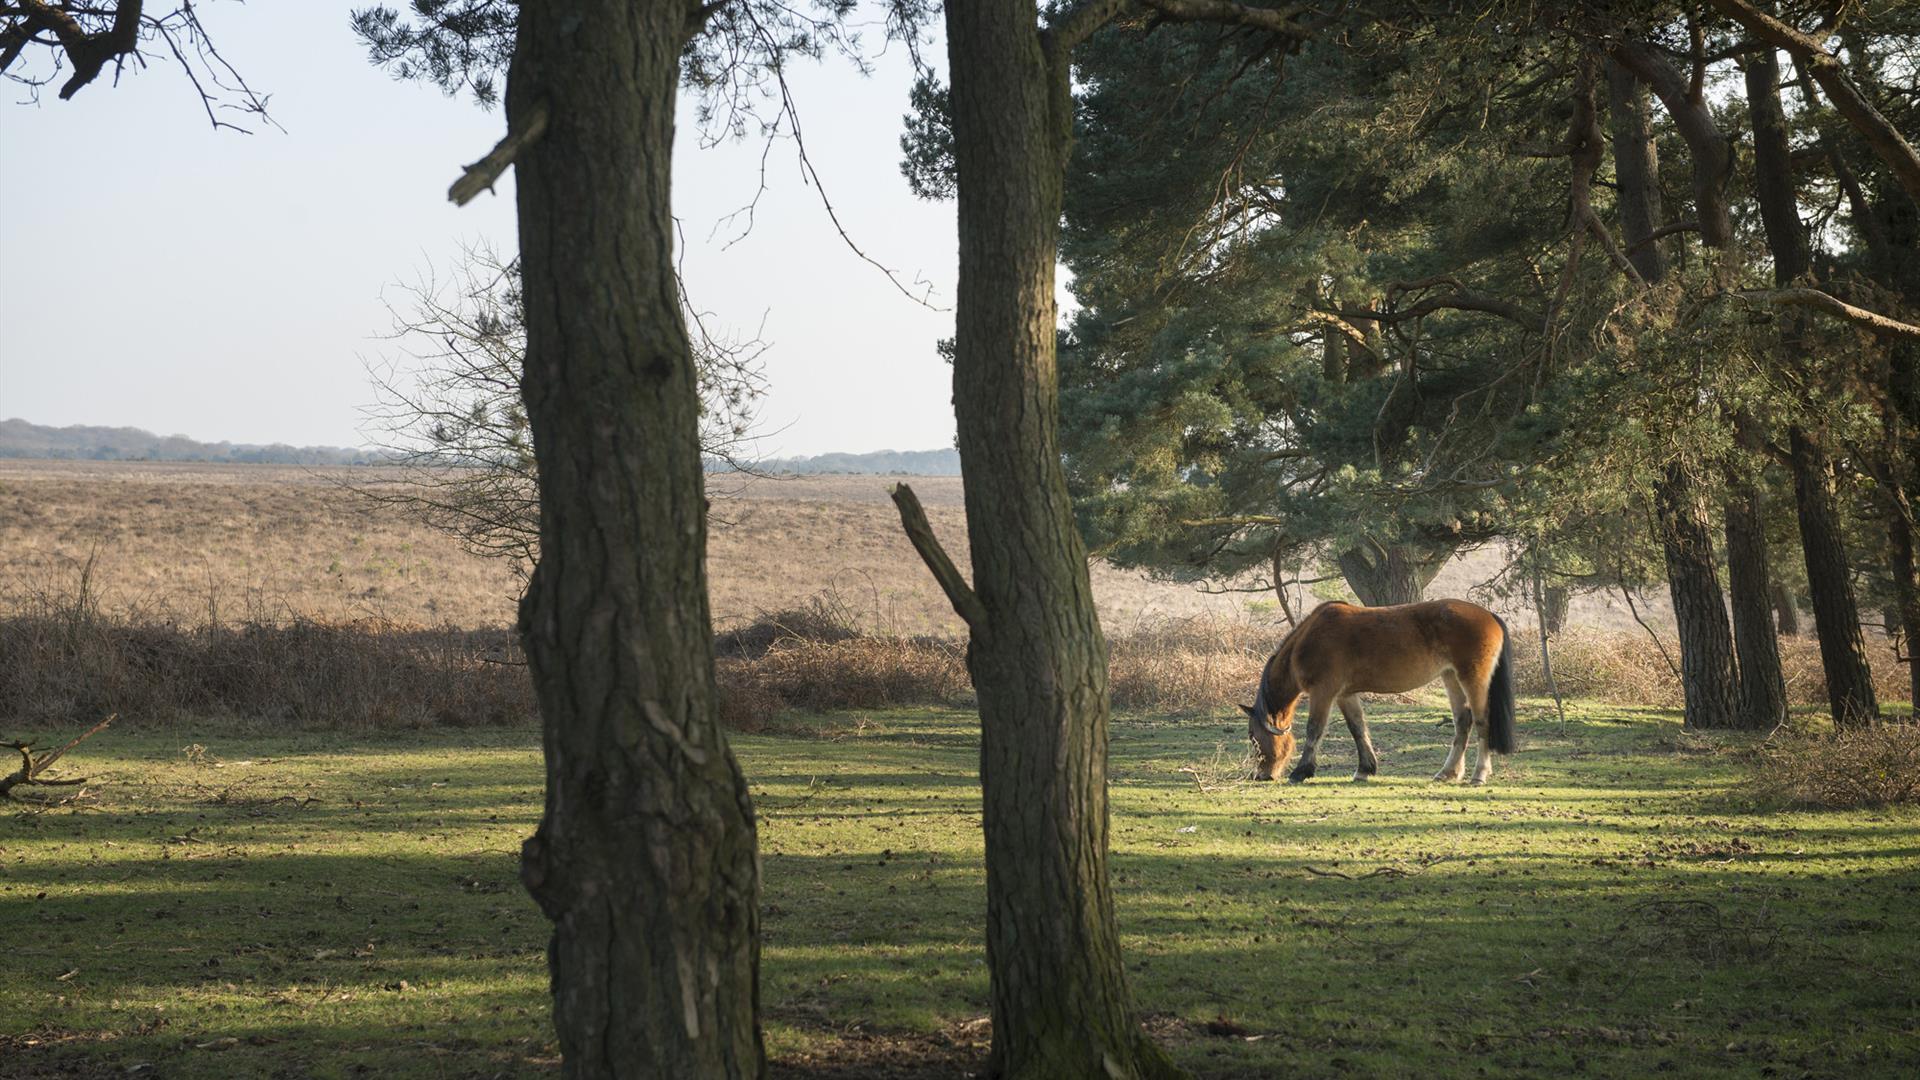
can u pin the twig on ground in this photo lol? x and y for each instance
(31, 767)
(1378, 871)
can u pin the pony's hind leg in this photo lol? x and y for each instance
(1369, 763)
(1462, 727)
(1319, 708)
(1475, 684)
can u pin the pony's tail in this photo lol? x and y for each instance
(1500, 696)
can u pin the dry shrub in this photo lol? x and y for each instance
(823, 618)
(1188, 664)
(64, 660)
(856, 673)
(1846, 770)
(1602, 665)
(744, 705)
(1627, 668)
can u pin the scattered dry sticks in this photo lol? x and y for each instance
(31, 767)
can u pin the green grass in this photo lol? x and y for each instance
(329, 905)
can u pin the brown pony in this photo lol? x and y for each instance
(1340, 651)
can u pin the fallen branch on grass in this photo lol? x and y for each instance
(31, 767)
(1378, 871)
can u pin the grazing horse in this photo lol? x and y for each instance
(1340, 651)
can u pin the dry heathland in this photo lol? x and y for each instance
(278, 595)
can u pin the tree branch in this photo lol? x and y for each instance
(1462, 301)
(1711, 151)
(1236, 522)
(1834, 306)
(88, 53)
(1664, 231)
(1826, 70)
(481, 175)
(1280, 21)
(1077, 23)
(966, 603)
(31, 768)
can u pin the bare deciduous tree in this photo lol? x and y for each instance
(43, 40)
(449, 411)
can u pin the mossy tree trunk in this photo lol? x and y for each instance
(644, 859)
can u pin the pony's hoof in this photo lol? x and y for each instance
(1478, 781)
(1361, 778)
(1445, 778)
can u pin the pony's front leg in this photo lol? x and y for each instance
(1462, 727)
(1369, 762)
(1319, 707)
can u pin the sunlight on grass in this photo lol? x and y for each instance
(338, 906)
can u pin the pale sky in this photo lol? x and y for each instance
(158, 274)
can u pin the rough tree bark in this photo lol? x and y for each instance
(1761, 695)
(1385, 574)
(1636, 165)
(1061, 1006)
(1706, 640)
(1906, 592)
(1555, 599)
(1786, 615)
(644, 859)
(1706, 643)
(1822, 67)
(1902, 491)
(1836, 618)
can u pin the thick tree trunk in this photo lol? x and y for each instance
(1906, 588)
(1692, 116)
(1382, 575)
(645, 858)
(1706, 644)
(1836, 618)
(1784, 611)
(1061, 1006)
(1901, 424)
(1555, 601)
(1706, 641)
(1636, 166)
(1761, 697)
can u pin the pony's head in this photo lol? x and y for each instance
(1273, 739)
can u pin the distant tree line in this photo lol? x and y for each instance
(20, 439)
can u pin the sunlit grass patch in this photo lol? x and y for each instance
(335, 905)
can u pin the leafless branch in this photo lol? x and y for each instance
(481, 175)
(84, 38)
(1829, 304)
(966, 603)
(31, 767)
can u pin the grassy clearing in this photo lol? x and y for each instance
(342, 905)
